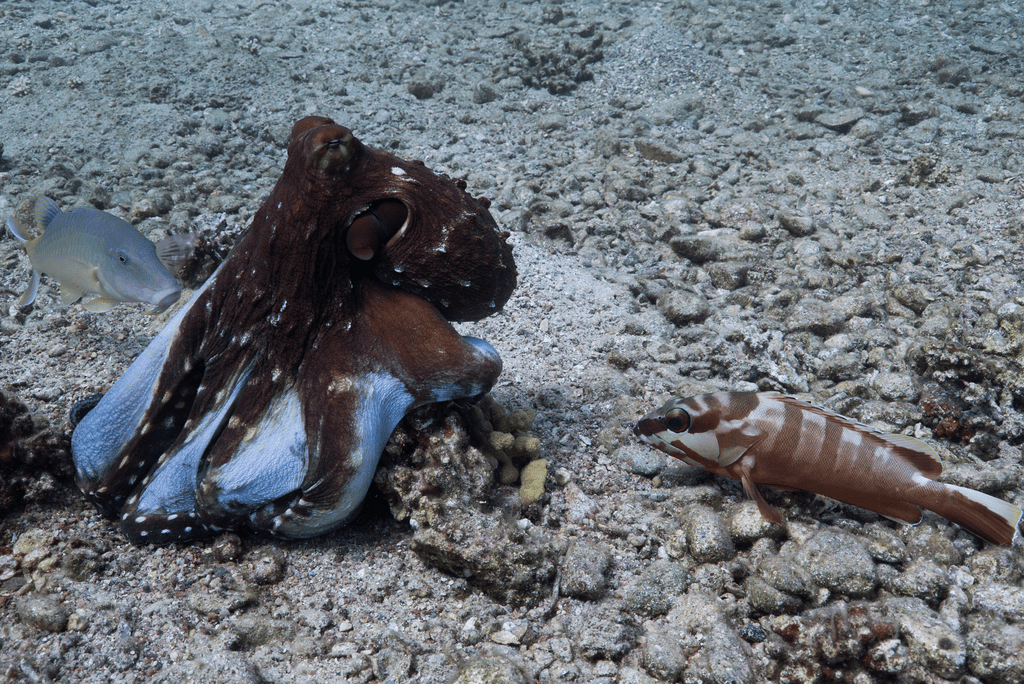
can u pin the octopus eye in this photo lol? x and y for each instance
(336, 153)
(677, 420)
(373, 229)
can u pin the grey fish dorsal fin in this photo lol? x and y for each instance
(174, 250)
(44, 212)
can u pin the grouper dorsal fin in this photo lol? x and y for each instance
(44, 212)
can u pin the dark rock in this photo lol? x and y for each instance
(43, 611)
(583, 570)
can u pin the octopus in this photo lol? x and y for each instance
(265, 402)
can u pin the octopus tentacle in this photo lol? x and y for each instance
(125, 433)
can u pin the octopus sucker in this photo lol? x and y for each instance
(277, 385)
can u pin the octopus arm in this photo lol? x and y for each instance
(101, 442)
(163, 509)
(411, 356)
(345, 449)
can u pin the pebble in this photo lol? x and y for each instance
(896, 387)
(921, 579)
(747, 525)
(652, 593)
(640, 459)
(584, 567)
(839, 562)
(43, 611)
(707, 535)
(492, 669)
(815, 316)
(683, 307)
(658, 151)
(729, 275)
(796, 225)
(268, 566)
(697, 248)
(928, 637)
(884, 545)
(602, 630)
(995, 651)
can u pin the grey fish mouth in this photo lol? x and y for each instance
(164, 298)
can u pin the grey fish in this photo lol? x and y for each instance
(88, 251)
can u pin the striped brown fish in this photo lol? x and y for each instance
(765, 438)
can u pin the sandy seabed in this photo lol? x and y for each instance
(818, 198)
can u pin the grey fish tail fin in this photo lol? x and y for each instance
(16, 230)
(29, 295)
(986, 516)
(45, 211)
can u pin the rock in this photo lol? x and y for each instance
(268, 566)
(640, 459)
(730, 275)
(843, 120)
(921, 579)
(786, 575)
(912, 296)
(657, 151)
(841, 366)
(697, 248)
(896, 387)
(712, 651)
(43, 611)
(884, 546)
(707, 535)
(930, 639)
(765, 598)
(913, 113)
(484, 91)
(653, 592)
(815, 316)
(796, 225)
(583, 570)
(251, 631)
(682, 307)
(747, 525)
(552, 122)
(995, 651)
(839, 561)
(601, 630)
(663, 655)
(492, 669)
(1005, 600)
